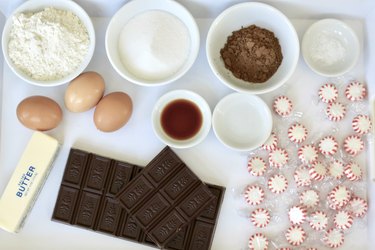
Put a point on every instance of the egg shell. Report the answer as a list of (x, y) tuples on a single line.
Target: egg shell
[(113, 111), (84, 92), (39, 113)]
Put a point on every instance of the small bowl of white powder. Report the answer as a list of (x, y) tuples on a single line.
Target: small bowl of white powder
[(152, 43), (330, 47), (48, 43)]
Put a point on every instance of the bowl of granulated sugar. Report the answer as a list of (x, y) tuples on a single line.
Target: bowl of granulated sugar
[(152, 43), (48, 43)]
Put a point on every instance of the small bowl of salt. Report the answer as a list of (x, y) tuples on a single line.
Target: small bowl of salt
[(151, 43), (330, 47)]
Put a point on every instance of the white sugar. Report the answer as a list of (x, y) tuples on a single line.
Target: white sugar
[(327, 50)]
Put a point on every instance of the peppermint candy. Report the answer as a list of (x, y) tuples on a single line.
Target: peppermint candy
[(353, 171), (277, 183), (256, 166), (339, 197), (278, 157), (362, 124), (260, 217), (283, 106), (318, 220), (302, 176), (297, 133), (271, 142), (336, 169), (335, 111), (328, 145), (295, 235), (254, 195), (334, 238), (355, 91), (353, 144), (308, 154), (358, 206), (318, 171), (328, 93), (297, 215), (343, 220), (309, 198), (258, 241)]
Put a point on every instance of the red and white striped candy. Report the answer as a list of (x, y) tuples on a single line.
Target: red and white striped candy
[(283, 106), (277, 183), (343, 220), (258, 241), (355, 91), (284, 248), (271, 142), (295, 235), (256, 166), (358, 206), (297, 214), (353, 145), (328, 145), (353, 171), (278, 157), (318, 171), (311, 248), (254, 195), (336, 169), (336, 111), (302, 176), (309, 198), (307, 154), (334, 238), (297, 133), (362, 124), (260, 217), (328, 93), (339, 196), (318, 220)]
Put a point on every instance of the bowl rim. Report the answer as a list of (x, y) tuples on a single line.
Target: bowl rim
[(291, 27), (182, 94), (192, 29), (33, 6), (350, 31), (235, 95)]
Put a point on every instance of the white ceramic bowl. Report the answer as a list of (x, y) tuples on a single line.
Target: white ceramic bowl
[(333, 38), (244, 15), (38, 5), (129, 11), (241, 121), (177, 95)]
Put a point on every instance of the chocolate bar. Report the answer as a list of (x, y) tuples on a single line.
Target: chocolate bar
[(164, 197), (87, 199)]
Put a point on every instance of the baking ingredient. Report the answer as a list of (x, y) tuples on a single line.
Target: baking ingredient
[(49, 44), (84, 92), (252, 54), (39, 113), (161, 47), (327, 49), (27, 179), (113, 111)]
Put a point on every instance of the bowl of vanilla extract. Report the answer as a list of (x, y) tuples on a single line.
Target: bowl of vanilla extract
[(181, 118)]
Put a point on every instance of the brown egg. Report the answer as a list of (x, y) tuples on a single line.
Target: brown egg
[(84, 92), (113, 111), (39, 113)]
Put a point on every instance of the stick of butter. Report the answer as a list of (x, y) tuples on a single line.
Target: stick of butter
[(27, 180)]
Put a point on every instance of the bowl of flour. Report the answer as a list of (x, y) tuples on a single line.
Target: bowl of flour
[(152, 43), (48, 43)]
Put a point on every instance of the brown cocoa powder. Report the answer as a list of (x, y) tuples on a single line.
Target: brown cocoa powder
[(252, 54)]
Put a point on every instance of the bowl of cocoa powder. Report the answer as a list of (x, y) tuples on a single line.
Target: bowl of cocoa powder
[(252, 48)]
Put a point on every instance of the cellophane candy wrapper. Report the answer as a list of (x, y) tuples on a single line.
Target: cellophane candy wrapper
[(312, 175)]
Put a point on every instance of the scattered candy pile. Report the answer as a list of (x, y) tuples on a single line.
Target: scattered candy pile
[(326, 173)]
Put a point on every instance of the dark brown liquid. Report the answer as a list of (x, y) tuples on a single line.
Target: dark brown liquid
[(181, 119)]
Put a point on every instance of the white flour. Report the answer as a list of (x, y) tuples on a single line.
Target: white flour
[(49, 44)]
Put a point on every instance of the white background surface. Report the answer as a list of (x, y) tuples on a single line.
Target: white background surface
[(136, 142)]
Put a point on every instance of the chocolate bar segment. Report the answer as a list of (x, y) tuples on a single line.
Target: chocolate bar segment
[(87, 199), (164, 197)]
